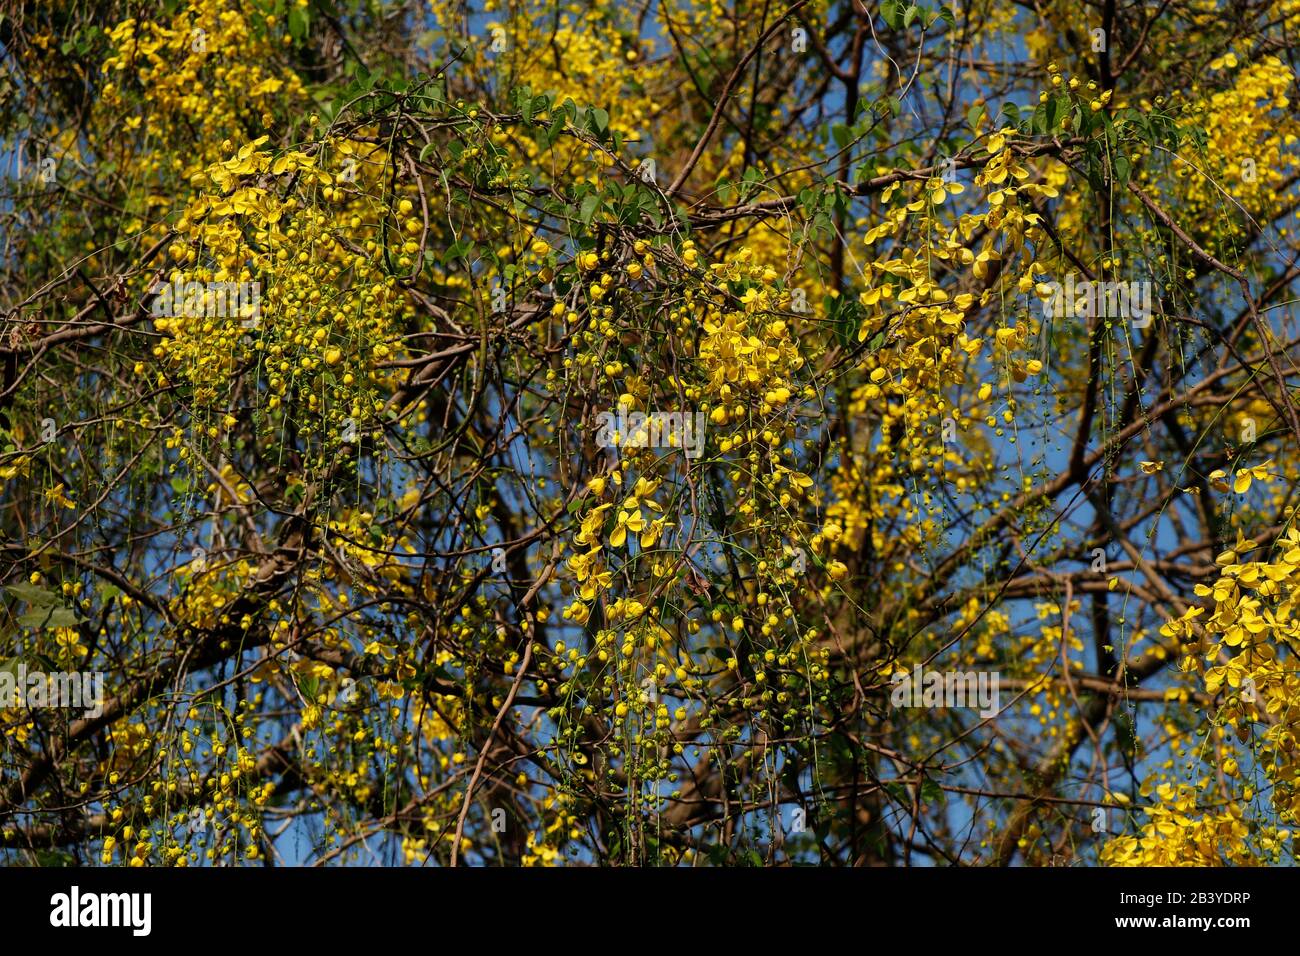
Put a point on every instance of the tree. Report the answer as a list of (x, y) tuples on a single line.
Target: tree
[(649, 434)]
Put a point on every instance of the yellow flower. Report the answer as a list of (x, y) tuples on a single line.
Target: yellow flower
[(57, 496), (589, 533), (20, 466), (641, 493), (650, 537), (627, 521), (597, 580), (940, 190), (1241, 483)]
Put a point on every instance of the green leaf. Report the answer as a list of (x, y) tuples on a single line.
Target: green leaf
[(599, 120), (588, 209), (49, 617), (1051, 114), (1123, 166), (556, 127), (845, 317), (32, 594), (298, 23), (460, 249), (932, 792), (1038, 122), (1109, 125)]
